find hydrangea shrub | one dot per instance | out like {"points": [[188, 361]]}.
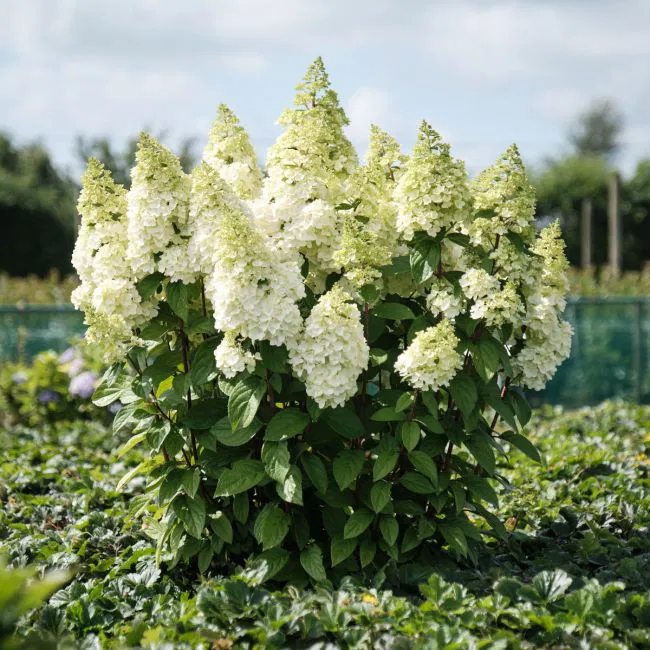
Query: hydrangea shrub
{"points": [[324, 363]]}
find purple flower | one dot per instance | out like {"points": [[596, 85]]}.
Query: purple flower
{"points": [[46, 396], [114, 407], [68, 355], [83, 385], [75, 367], [19, 377]]}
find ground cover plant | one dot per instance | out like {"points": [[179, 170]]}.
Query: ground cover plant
{"points": [[573, 570], [320, 367]]}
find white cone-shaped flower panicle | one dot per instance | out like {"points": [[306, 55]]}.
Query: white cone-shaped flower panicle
{"points": [[431, 360], [231, 153], [107, 293], [331, 351], [232, 358], [504, 191], [306, 167], [368, 236], [253, 291], [492, 302], [209, 193], [443, 300], [433, 192], [158, 225], [548, 339]]}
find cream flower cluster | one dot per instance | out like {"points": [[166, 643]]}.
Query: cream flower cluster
{"points": [[306, 167], [231, 358], [158, 213], [547, 340], [491, 302], [504, 190], [331, 352], [442, 300], [433, 192], [107, 293], [431, 360], [253, 292], [231, 153], [267, 248], [368, 235]]}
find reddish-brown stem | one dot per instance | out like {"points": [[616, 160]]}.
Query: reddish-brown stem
{"points": [[136, 367], [186, 368]]}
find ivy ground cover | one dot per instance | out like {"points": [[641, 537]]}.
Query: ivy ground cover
{"points": [[574, 570]]}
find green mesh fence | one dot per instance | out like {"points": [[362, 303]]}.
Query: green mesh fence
{"points": [[609, 356], [24, 332]]}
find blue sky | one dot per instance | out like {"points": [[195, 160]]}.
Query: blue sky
{"points": [[485, 73]]}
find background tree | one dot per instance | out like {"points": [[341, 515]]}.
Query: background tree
{"points": [[37, 211], [597, 130], [564, 183]]}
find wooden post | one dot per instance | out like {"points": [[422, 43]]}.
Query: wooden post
{"points": [[614, 247], [585, 233]]}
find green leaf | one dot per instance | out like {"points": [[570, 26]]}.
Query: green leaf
{"points": [[273, 561], [222, 527], [424, 464], [397, 266], [129, 475], [315, 470], [411, 540], [411, 435], [271, 526], [276, 459], [273, 357], [459, 495], [387, 414], [455, 537], [192, 513], [157, 433], [429, 400], [404, 401], [393, 311], [244, 401], [357, 523], [523, 444], [290, 490], [224, 434], [347, 466], [178, 298], [367, 551], [458, 238], [204, 414], [149, 285], [520, 406], [190, 481], [341, 549], [243, 475], [424, 257], [389, 529], [417, 483], [108, 392], [240, 507], [463, 390], [344, 421], [480, 488], [286, 424], [384, 464], [379, 495], [204, 366], [131, 442], [480, 447], [205, 558], [311, 560], [549, 586]]}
